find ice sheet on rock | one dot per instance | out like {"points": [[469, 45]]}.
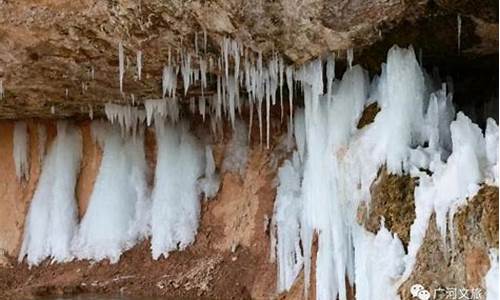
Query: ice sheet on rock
{"points": [[299, 131], [209, 184], [491, 279], [176, 203], [287, 218], [52, 217], [378, 264], [491, 140], [169, 81], [118, 213], [20, 150], [449, 186], [328, 126], [401, 91]]}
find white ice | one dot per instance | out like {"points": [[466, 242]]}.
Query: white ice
{"points": [[52, 217], [20, 150], [118, 211], [176, 200]]}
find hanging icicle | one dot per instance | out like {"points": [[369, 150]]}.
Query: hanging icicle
{"points": [[459, 31], [121, 65], [139, 64]]}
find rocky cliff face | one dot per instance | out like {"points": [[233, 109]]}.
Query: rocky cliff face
{"points": [[60, 58]]}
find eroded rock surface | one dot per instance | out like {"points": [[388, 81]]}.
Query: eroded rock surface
{"points": [[63, 54]]}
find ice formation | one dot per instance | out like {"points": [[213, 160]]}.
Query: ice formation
{"points": [[491, 280], [378, 263], [2, 91], [415, 130], [320, 185], [128, 117], [210, 183], [350, 57], [20, 150], [52, 218], [117, 214], [121, 65], [139, 64], [176, 201], [287, 218]]}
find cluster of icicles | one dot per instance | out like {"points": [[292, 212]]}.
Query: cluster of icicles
{"points": [[122, 210], [327, 176], [237, 68]]}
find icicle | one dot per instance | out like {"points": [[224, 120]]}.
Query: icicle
{"points": [[196, 44], [202, 107], [91, 112], [289, 83], [127, 117], [281, 68], [350, 57], [92, 73], [203, 75], [2, 91], [459, 31], [169, 81], [268, 118], [218, 106], [205, 40], [66, 92], [231, 87], [330, 74], [52, 110], [210, 183], [186, 71], [250, 121], [236, 57], [121, 62], [139, 64], [20, 150]]}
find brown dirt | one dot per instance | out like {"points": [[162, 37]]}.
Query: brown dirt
{"points": [[369, 114], [392, 199]]}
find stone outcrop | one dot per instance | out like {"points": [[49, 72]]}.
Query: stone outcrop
{"points": [[62, 56]]}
